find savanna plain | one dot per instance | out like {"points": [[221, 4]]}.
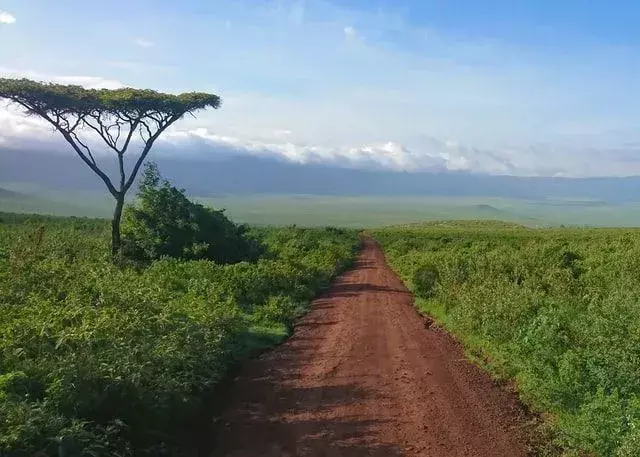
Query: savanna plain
{"points": [[134, 357]]}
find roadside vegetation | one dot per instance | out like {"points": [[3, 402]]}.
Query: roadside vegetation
{"points": [[555, 309], [113, 358]]}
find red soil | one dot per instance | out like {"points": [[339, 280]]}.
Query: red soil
{"points": [[364, 376]]}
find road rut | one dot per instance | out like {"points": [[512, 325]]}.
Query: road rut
{"points": [[362, 375]]}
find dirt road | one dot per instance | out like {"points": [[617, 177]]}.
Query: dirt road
{"points": [[362, 376]]}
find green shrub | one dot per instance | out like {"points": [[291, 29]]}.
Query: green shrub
{"points": [[164, 222], [630, 447], [425, 280], [105, 360]]}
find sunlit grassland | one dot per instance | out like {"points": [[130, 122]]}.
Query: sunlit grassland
{"points": [[557, 310]]}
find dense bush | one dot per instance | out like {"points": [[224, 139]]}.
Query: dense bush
{"points": [[105, 360], [164, 222], [558, 310], [425, 279]]}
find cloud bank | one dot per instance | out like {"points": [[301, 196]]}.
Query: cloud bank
{"points": [[423, 153], [426, 154], [6, 18]]}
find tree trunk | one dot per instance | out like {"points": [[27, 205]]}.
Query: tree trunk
{"points": [[115, 226]]}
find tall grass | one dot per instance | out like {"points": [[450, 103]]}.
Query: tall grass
{"points": [[99, 360], [558, 310]]}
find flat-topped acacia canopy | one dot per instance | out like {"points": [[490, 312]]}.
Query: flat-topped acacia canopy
{"points": [[47, 97], [115, 115]]}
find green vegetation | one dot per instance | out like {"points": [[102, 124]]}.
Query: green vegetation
{"points": [[102, 359], [555, 309], [163, 222]]}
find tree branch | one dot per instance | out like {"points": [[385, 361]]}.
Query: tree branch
{"points": [[67, 136], [132, 128], [102, 132], [147, 148], [86, 148], [123, 176], [119, 127], [148, 129], [77, 123]]}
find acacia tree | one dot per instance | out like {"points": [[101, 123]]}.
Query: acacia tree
{"points": [[118, 117]]}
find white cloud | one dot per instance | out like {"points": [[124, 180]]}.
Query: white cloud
{"points": [[423, 154], [429, 154], [6, 18], [89, 82], [284, 133], [144, 43], [14, 124], [350, 32]]}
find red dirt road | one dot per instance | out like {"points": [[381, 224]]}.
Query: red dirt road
{"points": [[362, 376]]}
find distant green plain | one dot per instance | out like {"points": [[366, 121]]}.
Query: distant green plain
{"points": [[347, 211]]}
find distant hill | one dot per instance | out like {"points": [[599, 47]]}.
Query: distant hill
{"points": [[217, 174], [9, 194], [483, 211]]}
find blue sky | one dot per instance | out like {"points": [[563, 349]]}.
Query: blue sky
{"points": [[507, 87]]}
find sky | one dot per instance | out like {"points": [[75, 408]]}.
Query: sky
{"points": [[532, 88]]}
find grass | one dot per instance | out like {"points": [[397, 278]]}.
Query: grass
{"points": [[98, 359], [556, 309]]}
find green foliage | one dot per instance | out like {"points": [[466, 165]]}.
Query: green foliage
{"points": [[425, 280], [555, 309], [100, 360], [49, 98], [164, 222]]}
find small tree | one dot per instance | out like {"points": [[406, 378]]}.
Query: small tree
{"points": [[164, 222], [115, 116]]}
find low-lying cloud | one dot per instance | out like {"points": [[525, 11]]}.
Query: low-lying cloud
{"points": [[424, 153], [427, 154]]}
